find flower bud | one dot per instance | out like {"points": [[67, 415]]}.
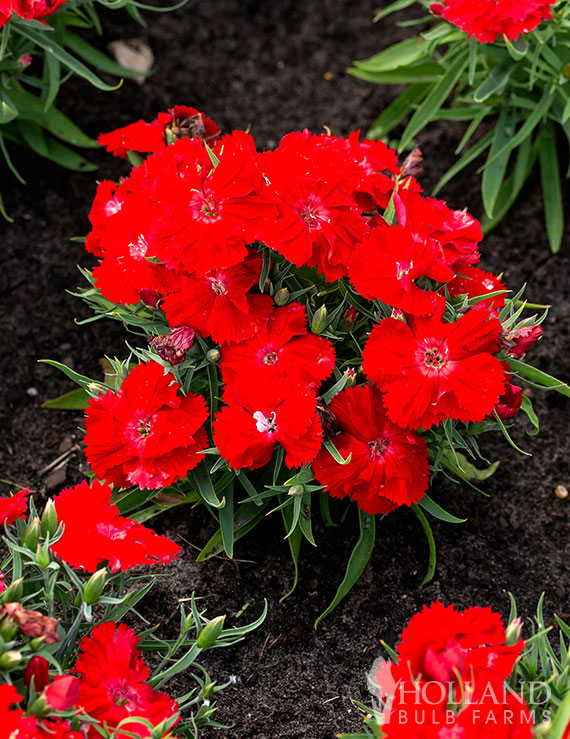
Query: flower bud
{"points": [[210, 633], [319, 321], [63, 693], [42, 555], [214, 355], [281, 297], [513, 632], [32, 534], [24, 60], [348, 319], [14, 591], [172, 347], [437, 9], [351, 375], [37, 670], [49, 519], [94, 587], [33, 623], [150, 298], [10, 659], [519, 341], [8, 629], [509, 402], [296, 490]]}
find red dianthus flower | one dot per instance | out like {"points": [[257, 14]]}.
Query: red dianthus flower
{"points": [[474, 282], [386, 265], [145, 434], [487, 19], [12, 720], [263, 413], [388, 466], [113, 687], [95, 533], [14, 507], [430, 370]]}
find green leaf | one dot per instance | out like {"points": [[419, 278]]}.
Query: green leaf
{"points": [[517, 49], [96, 58], [226, 518], [466, 159], [433, 102], [52, 75], [8, 110], [419, 72], [541, 378], [294, 540], [335, 454], [393, 8], [493, 175], [470, 472], [48, 43], [495, 82], [47, 147], [397, 111], [247, 517], [81, 380], [357, 562], [508, 436], [431, 544], [527, 408], [438, 512], [401, 54], [551, 192], [74, 400], [203, 481], [561, 719]]}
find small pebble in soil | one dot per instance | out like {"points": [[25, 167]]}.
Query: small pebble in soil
{"points": [[32, 392], [561, 492]]}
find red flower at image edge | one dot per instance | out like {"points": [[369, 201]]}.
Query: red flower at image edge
{"points": [[27, 9], [13, 723], [260, 415], [145, 434], [429, 370], [95, 533], [14, 507], [487, 19], [282, 349], [388, 466], [113, 687]]}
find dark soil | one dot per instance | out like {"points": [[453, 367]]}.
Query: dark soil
{"points": [[279, 66]]}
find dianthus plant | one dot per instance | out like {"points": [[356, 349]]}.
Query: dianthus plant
{"points": [[503, 68], [41, 46], [70, 667], [316, 327]]}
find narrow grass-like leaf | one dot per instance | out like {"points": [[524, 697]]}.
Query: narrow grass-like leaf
{"points": [[246, 518], [401, 54], [96, 58], [551, 191], [437, 511], [541, 378], [357, 562], [398, 110], [393, 8], [294, 540], [226, 518], [466, 159], [431, 544], [74, 400], [527, 408], [203, 482], [494, 173], [494, 83], [52, 76]]}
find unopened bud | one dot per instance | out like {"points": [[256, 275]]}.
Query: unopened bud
{"points": [[32, 534], [398, 314], [14, 591], [94, 587], [49, 519], [150, 298], [42, 555], [24, 60], [281, 297], [38, 670], [210, 633], [214, 355], [513, 631], [319, 321], [8, 629], [350, 377], [437, 9], [296, 490], [10, 659], [172, 347], [348, 319]]}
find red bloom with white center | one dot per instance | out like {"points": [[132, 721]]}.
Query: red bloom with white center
{"points": [[487, 19], [474, 282], [219, 304], [387, 264], [14, 507], [95, 532], [430, 370], [388, 466], [447, 646], [213, 211], [145, 434], [281, 349], [265, 413], [319, 221], [113, 682], [454, 232], [146, 137]]}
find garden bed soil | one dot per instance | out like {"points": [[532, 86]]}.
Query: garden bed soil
{"points": [[276, 67]]}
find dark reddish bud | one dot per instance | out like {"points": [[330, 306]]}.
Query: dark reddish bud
{"points": [[38, 669], [172, 347], [150, 298], [413, 164], [510, 402], [2, 583], [32, 623], [519, 341], [349, 319], [24, 60], [63, 693], [437, 9], [327, 418]]}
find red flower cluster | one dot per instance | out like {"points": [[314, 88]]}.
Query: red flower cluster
{"points": [[113, 683], [449, 679], [487, 19], [95, 533], [183, 234], [145, 434], [14, 723], [27, 9]]}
